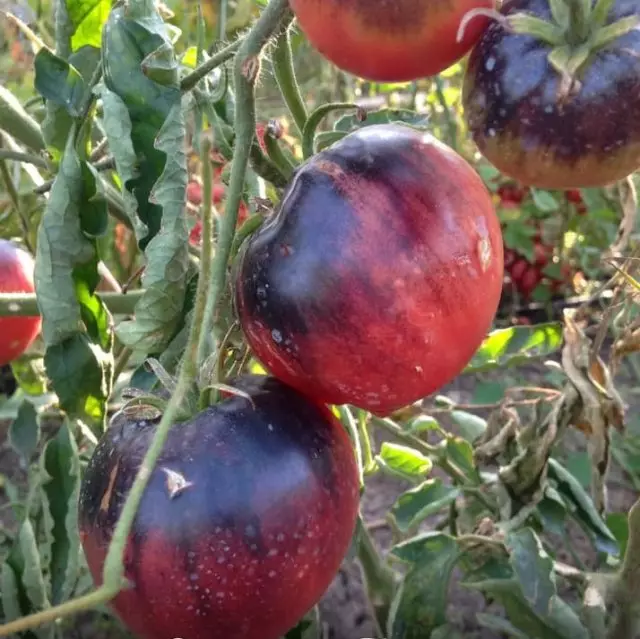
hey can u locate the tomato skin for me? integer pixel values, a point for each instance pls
(16, 276)
(387, 41)
(378, 277)
(251, 545)
(519, 123)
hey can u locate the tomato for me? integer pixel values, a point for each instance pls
(542, 253)
(378, 277)
(194, 193)
(529, 281)
(531, 128)
(387, 41)
(518, 269)
(510, 257)
(246, 519)
(16, 276)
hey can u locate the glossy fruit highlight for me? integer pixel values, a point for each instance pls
(246, 519)
(378, 277)
(386, 41)
(533, 127)
(16, 276)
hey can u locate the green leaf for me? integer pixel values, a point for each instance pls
(533, 568)
(60, 464)
(561, 622)
(24, 431)
(32, 578)
(403, 461)
(76, 326)
(472, 426)
(30, 374)
(417, 504)
(618, 524)
(9, 593)
(87, 18)
(460, 452)
(514, 346)
(146, 129)
(58, 81)
(420, 604)
(422, 424)
(544, 201)
(352, 122)
(583, 508)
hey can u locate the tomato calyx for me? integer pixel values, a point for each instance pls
(576, 31)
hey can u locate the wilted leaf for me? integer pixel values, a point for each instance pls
(417, 504)
(420, 604)
(24, 431)
(533, 568)
(76, 326)
(403, 461)
(30, 375)
(32, 578)
(62, 485)
(514, 346)
(9, 592)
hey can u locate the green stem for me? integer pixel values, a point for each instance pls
(191, 80)
(18, 123)
(246, 230)
(379, 579)
(121, 362)
(579, 14)
(276, 155)
(93, 600)
(313, 122)
(346, 417)
(26, 305)
(36, 160)
(222, 20)
(265, 168)
(15, 200)
(452, 127)
(286, 78)
(204, 306)
(365, 441)
(246, 70)
(113, 572)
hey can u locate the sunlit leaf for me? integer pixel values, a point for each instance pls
(515, 345)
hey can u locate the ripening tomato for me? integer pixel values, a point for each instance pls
(16, 276)
(386, 41)
(539, 128)
(245, 521)
(378, 277)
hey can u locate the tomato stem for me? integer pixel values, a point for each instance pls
(310, 127)
(277, 156)
(190, 81)
(203, 310)
(26, 304)
(275, 16)
(286, 78)
(379, 579)
(92, 600)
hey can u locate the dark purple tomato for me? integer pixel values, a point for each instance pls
(245, 521)
(379, 275)
(531, 130)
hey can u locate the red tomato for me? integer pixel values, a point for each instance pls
(379, 276)
(394, 41)
(542, 254)
(194, 193)
(510, 257)
(528, 281)
(16, 276)
(518, 269)
(247, 517)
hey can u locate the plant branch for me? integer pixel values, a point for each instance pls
(30, 158)
(246, 71)
(286, 78)
(26, 304)
(15, 200)
(93, 600)
(191, 80)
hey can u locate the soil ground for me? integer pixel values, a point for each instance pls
(344, 610)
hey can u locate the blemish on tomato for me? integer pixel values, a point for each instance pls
(106, 498)
(484, 253)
